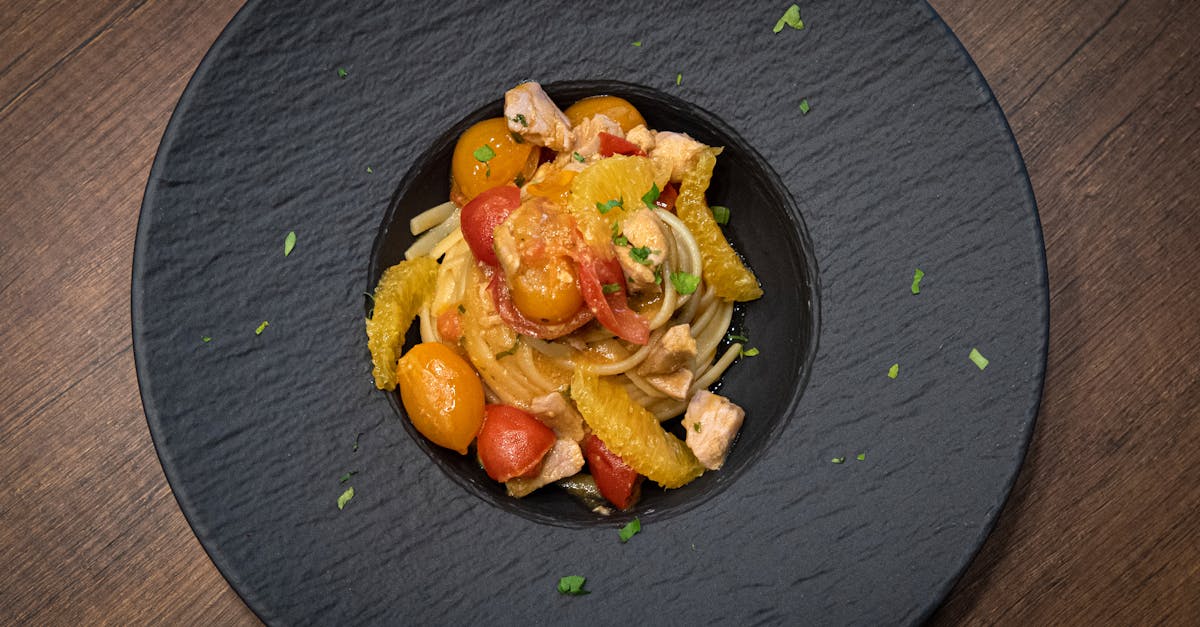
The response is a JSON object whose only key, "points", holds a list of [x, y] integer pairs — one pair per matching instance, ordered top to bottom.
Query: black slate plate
{"points": [[905, 161]]}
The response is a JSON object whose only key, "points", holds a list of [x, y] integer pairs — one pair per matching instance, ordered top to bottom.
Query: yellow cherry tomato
{"points": [[619, 110], [488, 155], [547, 292], [442, 395]]}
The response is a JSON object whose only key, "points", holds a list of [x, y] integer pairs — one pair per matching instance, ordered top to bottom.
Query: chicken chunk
{"points": [[534, 116], [586, 136], [641, 137], [674, 153], [644, 231], [674, 350], [674, 384], [555, 412], [712, 422], [563, 460]]}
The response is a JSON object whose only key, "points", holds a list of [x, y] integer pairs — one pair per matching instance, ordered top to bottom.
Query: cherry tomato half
{"points": [[617, 109], [488, 155], [481, 216], [441, 394], [512, 443], [616, 480]]}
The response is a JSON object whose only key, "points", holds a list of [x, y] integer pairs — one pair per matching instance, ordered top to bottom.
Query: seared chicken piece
{"points": [[534, 116], [586, 136], [641, 137], [674, 153], [645, 234], [675, 349], [675, 384], [555, 412], [712, 422], [564, 460]]}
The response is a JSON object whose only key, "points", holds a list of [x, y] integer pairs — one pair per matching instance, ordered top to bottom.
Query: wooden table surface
{"points": [[1101, 527]]}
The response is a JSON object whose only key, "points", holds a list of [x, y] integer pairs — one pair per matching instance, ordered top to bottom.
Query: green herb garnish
{"points": [[791, 17], [636, 44], [342, 73], [678, 79], [804, 108], [520, 119], [516, 137], [484, 153], [578, 157], [369, 170], [519, 180], [651, 195], [605, 207], [720, 214], [289, 243], [641, 254], [658, 276], [685, 283], [916, 283], [611, 288], [461, 309], [262, 327], [737, 338], [206, 339], [512, 350], [749, 352], [978, 358], [893, 371], [696, 427], [356, 442], [861, 457], [838, 460], [346, 477], [345, 497], [630, 529], [572, 585]]}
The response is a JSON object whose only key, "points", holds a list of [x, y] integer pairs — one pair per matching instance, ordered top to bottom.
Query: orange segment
{"points": [[621, 178], [723, 269], [399, 295], [632, 432]]}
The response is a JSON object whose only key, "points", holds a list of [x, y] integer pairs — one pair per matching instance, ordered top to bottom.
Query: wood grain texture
{"points": [[1103, 99]]}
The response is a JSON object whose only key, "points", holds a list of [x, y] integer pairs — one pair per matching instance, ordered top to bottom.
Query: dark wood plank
{"points": [[1103, 97]]}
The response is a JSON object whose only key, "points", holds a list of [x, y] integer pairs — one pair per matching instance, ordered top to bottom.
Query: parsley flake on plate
{"points": [[791, 17], [636, 44], [342, 73], [678, 79], [804, 107], [520, 119], [484, 153], [578, 157], [369, 170], [720, 214], [289, 243], [641, 254], [684, 282], [916, 282], [262, 327], [737, 338], [206, 339], [512, 350], [749, 352], [978, 359], [893, 371], [861, 457], [837, 460], [346, 477], [345, 497], [630, 529], [572, 585]]}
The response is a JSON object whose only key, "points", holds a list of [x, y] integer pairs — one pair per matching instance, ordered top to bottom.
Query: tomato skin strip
{"points": [[611, 310], [517, 321]]}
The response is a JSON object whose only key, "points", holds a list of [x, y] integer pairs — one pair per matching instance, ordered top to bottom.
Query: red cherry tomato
{"points": [[612, 145], [481, 216], [611, 310], [512, 443], [616, 480]]}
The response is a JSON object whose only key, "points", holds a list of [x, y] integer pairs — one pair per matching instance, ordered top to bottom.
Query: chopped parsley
{"points": [[791, 17], [636, 44], [342, 73], [678, 79], [804, 108], [520, 119], [516, 137], [484, 153], [578, 157], [369, 170], [519, 180], [651, 195], [605, 207], [720, 214], [617, 238], [289, 243], [641, 254], [658, 276], [684, 283], [916, 283], [611, 288], [461, 309], [262, 327], [737, 338], [206, 339], [512, 350], [749, 352], [978, 358], [893, 371], [696, 427], [356, 442], [861, 457], [838, 460], [346, 477], [345, 497], [630, 529], [572, 585]]}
